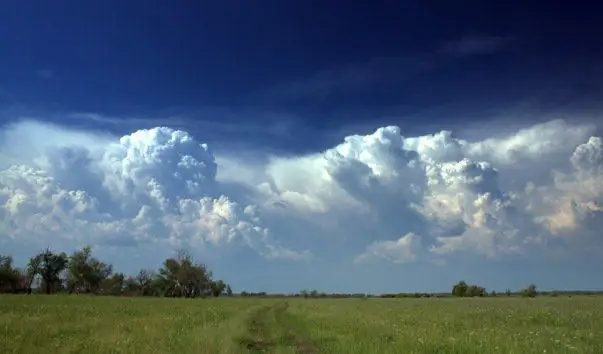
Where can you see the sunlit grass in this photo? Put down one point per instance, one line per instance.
(82, 324)
(505, 325)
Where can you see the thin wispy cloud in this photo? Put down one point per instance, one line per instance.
(351, 78)
(396, 70)
(470, 45)
(215, 121)
(46, 73)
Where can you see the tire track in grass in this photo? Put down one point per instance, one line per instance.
(293, 336)
(258, 338)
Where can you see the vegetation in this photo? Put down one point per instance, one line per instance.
(530, 291)
(462, 289)
(83, 273)
(306, 322)
(106, 324)
(180, 276)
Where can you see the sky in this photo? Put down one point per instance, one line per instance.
(305, 145)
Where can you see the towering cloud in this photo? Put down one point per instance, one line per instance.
(153, 186)
(380, 196)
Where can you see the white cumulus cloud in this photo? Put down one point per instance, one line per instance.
(495, 196)
(153, 186)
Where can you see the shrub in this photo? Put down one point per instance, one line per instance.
(530, 291)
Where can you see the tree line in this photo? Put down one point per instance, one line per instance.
(81, 272)
(462, 289)
(179, 276)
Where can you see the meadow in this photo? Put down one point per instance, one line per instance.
(102, 324)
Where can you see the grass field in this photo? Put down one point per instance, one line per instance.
(80, 324)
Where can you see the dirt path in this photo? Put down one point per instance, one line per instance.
(270, 327)
(259, 335)
(294, 337)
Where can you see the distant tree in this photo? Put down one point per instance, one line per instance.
(474, 291)
(9, 276)
(181, 276)
(143, 280)
(460, 289)
(113, 285)
(49, 266)
(530, 291)
(304, 293)
(493, 293)
(217, 288)
(86, 273)
(508, 292)
(130, 286)
(228, 290)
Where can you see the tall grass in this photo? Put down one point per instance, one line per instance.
(82, 324)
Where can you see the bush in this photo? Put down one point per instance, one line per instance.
(530, 291)
(462, 289)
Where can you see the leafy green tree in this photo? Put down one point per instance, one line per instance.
(9, 276)
(131, 286)
(460, 289)
(182, 277)
(228, 290)
(49, 266)
(86, 273)
(474, 291)
(113, 285)
(530, 291)
(217, 288)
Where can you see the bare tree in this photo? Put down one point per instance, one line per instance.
(143, 280)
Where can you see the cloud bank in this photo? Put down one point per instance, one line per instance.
(382, 197)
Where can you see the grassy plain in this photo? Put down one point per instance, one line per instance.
(81, 324)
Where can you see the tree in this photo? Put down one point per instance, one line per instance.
(82, 273)
(49, 266)
(98, 272)
(131, 287)
(9, 277)
(143, 281)
(217, 288)
(113, 285)
(460, 289)
(181, 276)
(530, 291)
(86, 273)
(474, 290)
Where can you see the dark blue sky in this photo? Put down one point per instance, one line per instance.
(306, 65)
(295, 77)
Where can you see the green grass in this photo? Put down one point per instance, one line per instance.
(81, 324)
